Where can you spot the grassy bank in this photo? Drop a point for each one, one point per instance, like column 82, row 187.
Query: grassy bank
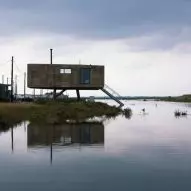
column 53, row 112
column 183, row 98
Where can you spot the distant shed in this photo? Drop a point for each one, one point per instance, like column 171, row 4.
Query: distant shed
column 4, row 92
column 65, row 76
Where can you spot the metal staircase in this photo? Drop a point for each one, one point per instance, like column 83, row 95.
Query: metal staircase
column 112, row 94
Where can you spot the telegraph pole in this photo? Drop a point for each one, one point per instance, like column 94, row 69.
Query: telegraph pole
column 7, row 81
column 12, row 61
column 54, row 91
column 2, row 79
column 15, row 85
column 51, row 55
column 24, row 85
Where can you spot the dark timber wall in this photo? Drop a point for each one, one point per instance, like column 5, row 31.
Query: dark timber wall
column 65, row 76
column 4, row 92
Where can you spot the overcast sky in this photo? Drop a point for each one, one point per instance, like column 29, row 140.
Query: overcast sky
column 145, row 45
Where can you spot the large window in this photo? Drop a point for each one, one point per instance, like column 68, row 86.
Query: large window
column 65, row 71
column 85, row 75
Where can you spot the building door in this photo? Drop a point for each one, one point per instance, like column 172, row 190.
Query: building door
column 85, row 75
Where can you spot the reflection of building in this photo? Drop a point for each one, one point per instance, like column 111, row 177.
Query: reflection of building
column 67, row 134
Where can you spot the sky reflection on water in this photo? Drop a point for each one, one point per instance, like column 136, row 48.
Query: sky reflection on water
column 147, row 152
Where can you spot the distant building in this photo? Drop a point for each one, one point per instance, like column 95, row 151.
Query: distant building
column 4, row 92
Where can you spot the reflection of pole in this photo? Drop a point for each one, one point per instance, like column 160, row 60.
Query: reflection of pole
column 51, row 149
column 24, row 126
column 51, row 153
column 12, row 140
column 80, row 137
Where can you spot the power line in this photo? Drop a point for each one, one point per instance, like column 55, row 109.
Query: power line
column 18, row 68
column 1, row 65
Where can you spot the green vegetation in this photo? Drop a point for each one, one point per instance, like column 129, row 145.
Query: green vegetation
column 53, row 112
column 127, row 113
column 14, row 113
column 183, row 98
column 180, row 113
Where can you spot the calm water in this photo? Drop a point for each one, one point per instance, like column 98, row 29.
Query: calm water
column 146, row 152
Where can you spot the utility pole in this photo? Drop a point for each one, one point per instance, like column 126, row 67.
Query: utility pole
column 24, row 85
column 12, row 61
column 51, row 55
column 15, row 85
column 7, row 81
column 2, row 79
column 54, row 90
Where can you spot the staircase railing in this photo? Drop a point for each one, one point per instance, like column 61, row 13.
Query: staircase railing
column 112, row 94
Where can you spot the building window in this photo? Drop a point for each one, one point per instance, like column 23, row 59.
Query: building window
column 68, row 71
column 85, row 75
column 62, row 71
column 65, row 71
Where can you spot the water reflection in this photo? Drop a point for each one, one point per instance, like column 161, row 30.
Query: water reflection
column 66, row 135
column 4, row 129
column 12, row 139
column 148, row 152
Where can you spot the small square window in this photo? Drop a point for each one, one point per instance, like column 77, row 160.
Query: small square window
column 65, row 71
column 62, row 71
column 68, row 71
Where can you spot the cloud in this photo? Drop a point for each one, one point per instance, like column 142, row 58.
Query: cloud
column 161, row 41
column 143, row 44
column 95, row 19
column 128, row 72
column 143, row 25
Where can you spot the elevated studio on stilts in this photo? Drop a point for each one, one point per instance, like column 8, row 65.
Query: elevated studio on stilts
column 68, row 77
